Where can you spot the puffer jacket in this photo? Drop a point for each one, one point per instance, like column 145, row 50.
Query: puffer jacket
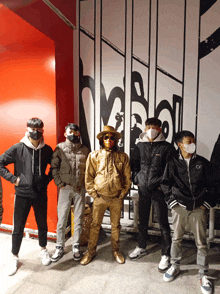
column 190, row 187
column 30, row 164
column 69, row 163
column 1, row 208
column 108, row 174
column 148, row 162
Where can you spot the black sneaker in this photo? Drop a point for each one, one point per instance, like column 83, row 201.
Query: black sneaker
column 77, row 254
column 57, row 254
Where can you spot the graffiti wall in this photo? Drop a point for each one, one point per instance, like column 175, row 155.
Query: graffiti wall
column 144, row 58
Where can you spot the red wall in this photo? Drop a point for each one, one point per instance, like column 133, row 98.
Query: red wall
column 27, row 86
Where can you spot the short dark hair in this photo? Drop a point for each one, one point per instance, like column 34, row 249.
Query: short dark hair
column 153, row 121
column 180, row 135
column 35, row 122
column 72, row 126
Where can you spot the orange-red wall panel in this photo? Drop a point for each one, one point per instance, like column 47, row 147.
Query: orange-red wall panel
column 28, row 89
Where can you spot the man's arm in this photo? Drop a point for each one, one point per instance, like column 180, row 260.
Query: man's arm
column 7, row 158
column 166, row 186
column 135, row 164
column 90, row 176
column 55, row 168
column 127, row 178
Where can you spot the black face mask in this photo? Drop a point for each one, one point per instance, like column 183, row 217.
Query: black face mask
column 73, row 138
column 35, row 135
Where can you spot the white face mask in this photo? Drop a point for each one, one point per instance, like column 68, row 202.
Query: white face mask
column 152, row 133
column 190, row 148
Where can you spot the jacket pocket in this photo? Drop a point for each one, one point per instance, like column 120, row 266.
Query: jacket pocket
column 23, row 181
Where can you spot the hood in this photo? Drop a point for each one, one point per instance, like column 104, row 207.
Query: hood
column 28, row 143
column 143, row 138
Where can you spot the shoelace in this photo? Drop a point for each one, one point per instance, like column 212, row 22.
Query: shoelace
column 171, row 270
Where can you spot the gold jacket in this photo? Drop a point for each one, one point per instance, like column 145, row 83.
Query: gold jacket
column 108, row 174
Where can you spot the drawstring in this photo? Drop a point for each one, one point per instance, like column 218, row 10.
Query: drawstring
column 39, row 162
column 33, row 163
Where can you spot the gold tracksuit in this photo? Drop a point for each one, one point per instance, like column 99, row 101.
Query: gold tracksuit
column 107, row 180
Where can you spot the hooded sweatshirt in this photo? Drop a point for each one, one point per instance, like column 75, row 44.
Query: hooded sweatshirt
column 148, row 162
column 30, row 164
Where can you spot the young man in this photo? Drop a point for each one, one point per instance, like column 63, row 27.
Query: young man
column 68, row 169
column 148, row 162
column 30, row 158
column 108, row 180
column 189, row 191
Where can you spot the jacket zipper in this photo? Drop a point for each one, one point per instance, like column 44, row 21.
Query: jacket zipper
column 190, row 185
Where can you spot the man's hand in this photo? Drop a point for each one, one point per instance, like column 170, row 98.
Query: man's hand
column 202, row 207
column 16, row 183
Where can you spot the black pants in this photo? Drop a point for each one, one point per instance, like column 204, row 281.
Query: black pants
column 160, row 207
column 21, row 210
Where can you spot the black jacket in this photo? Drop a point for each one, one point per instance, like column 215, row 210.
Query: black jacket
column 148, row 162
column 30, row 164
column 215, row 160
column 189, row 187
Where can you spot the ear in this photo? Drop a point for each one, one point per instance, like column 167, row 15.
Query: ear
column 179, row 144
column 65, row 134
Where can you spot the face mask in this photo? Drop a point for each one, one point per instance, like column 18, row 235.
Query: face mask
column 152, row 133
column 190, row 148
column 73, row 138
column 35, row 135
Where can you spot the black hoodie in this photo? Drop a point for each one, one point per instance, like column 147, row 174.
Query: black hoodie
column 30, row 164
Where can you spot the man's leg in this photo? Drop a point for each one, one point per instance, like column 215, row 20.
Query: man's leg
column 22, row 208
column 198, row 223
column 63, row 209
column 99, row 207
column 144, row 206
column 79, row 208
column 40, row 210
column 115, row 207
column 180, row 218
column 162, row 217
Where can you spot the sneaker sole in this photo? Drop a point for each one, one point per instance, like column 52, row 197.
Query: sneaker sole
column 139, row 256
column 163, row 270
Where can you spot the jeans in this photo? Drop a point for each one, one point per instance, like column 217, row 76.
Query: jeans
column 160, row 207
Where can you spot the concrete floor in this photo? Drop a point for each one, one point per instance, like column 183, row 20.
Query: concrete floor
column 103, row 274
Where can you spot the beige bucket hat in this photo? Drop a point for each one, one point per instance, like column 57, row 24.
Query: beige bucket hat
column 109, row 129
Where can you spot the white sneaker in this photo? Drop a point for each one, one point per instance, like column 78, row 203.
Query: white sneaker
column 77, row 255
column 13, row 267
column 57, row 254
column 137, row 253
column 206, row 285
column 164, row 263
column 171, row 273
column 45, row 257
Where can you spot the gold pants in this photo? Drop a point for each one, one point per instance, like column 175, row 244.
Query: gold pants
column 100, row 205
